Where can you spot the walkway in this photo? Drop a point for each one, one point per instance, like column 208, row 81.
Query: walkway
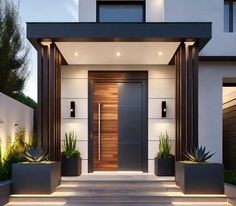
column 118, row 189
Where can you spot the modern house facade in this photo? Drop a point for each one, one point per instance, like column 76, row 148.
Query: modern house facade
column 112, row 76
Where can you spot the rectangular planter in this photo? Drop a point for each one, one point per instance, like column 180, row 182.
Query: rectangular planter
column 70, row 166
column 193, row 178
column 5, row 191
column 35, row 178
column 165, row 166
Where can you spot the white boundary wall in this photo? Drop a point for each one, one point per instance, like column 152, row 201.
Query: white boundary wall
column 14, row 115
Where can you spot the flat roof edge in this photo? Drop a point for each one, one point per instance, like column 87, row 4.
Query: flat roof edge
column 92, row 31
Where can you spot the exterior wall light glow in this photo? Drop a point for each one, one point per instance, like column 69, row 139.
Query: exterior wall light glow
column 118, row 54
column 163, row 109
column 160, row 53
column 72, row 109
column 76, row 54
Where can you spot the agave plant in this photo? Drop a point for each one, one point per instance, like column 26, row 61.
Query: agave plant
column 197, row 154
column 69, row 147
column 164, row 146
column 35, row 155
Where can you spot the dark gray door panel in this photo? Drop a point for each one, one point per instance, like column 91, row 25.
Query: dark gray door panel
column 130, row 124
column 130, row 94
column 130, row 156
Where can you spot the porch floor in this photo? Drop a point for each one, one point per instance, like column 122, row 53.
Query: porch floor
column 118, row 189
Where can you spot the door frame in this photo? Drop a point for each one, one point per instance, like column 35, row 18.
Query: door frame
column 131, row 76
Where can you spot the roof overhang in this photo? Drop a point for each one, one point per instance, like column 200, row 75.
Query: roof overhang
column 120, row 32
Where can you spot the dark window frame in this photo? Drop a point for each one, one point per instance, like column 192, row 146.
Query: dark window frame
column 142, row 3
column 231, row 15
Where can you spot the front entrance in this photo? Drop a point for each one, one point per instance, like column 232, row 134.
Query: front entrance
column 118, row 121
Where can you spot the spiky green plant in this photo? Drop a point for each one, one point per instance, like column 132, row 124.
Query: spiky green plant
column 164, row 146
column 69, row 147
column 198, row 154
column 35, row 155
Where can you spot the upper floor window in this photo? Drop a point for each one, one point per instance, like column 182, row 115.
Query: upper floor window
column 230, row 16
column 120, row 11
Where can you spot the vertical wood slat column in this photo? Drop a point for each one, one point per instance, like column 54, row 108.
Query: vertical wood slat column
column 45, row 101
column 40, row 97
column 49, row 97
column 177, row 105
column 195, row 93
column 186, row 99
column 183, row 100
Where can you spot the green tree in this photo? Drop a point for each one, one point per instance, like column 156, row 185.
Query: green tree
column 13, row 53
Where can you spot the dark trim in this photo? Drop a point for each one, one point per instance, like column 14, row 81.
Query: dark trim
column 229, row 84
column 90, row 126
column 122, row 32
column 231, row 14
column 99, row 3
column 130, row 76
column 217, row 58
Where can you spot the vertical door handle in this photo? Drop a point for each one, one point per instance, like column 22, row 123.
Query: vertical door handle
column 99, row 131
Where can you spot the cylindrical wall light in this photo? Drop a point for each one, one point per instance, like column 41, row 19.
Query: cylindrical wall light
column 163, row 109
column 72, row 109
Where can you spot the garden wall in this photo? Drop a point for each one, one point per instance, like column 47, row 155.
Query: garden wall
column 14, row 115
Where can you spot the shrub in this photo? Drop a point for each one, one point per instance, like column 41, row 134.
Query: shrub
column 13, row 153
column 69, row 147
column 164, row 146
column 230, row 177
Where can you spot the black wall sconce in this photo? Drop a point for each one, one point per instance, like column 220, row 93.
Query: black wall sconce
column 163, row 109
column 72, row 109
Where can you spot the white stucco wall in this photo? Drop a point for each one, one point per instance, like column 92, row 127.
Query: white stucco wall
column 13, row 115
column 161, row 86
column 211, row 76
column 221, row 44
column 154, row 10
column 87, row 10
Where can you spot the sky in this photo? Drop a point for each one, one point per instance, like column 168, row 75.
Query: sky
column 43, row 11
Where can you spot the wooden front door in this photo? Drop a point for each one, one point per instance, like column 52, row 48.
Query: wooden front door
column 105, row 131
column 118, row 121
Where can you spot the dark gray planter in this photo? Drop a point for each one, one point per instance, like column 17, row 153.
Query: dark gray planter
column 200, row 178
column 35, row 178
column 70, row 166
column 165, row 166
column 5, row 191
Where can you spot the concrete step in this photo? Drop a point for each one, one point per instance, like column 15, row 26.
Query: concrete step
column 117, row 190
column 112, row 183
column 232, row 202
column 119, row 204
column 76, row 197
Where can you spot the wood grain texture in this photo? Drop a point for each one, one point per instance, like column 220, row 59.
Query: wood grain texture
column 107, row 95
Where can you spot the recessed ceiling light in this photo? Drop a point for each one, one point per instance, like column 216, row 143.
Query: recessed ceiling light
column 118, row 54
column 76, row 54
column 160, row 53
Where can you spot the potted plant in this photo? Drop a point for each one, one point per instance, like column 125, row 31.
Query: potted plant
column 70, row 159
column 197, row 175
column 165, row 161
column 37, row 175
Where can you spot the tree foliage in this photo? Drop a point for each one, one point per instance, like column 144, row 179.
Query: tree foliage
column 13, row 53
